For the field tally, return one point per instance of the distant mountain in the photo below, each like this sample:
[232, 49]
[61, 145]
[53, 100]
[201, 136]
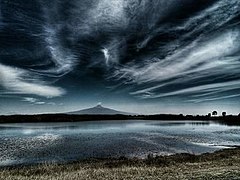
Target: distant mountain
[99, 109]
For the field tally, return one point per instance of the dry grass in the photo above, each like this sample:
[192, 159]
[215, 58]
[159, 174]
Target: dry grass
[220, 165]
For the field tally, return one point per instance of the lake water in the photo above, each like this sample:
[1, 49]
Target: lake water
[31, 143]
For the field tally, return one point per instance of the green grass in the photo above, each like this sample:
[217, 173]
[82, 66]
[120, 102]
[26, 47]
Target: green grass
[220, 165]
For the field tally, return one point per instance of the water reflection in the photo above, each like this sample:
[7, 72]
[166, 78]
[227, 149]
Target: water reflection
[33, 143]
[202, 123]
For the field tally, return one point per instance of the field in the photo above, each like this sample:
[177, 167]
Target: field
[224, 164]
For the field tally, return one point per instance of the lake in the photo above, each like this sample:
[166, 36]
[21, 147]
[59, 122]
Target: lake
[30, 143]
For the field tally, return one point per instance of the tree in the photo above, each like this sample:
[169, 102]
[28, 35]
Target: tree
[224, 114]
[214, 113]
[209, 114]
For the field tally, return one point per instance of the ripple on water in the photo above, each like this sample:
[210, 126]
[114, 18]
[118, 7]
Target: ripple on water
[13, 150]
[58, 144]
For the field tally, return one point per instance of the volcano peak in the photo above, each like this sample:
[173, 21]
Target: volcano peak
[99, 110]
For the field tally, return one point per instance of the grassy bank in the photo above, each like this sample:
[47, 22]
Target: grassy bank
[223, 164]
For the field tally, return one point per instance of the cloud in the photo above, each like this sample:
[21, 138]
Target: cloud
[210, 88]
[106, 55]
[203, 60]
[146, 45]
[29, 99]
[36, 101]
[213, 98]
[187, 60]
[198, 62]
[51, 103]
[62, 57]
[40, 103]
[19, 81]
[108, 14]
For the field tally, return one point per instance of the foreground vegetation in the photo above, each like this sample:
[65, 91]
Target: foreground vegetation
[223, 164]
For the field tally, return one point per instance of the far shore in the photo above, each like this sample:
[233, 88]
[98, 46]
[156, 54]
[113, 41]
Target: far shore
[223, 164]
[45, 118]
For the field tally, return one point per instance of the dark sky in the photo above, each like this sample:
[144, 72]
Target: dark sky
[144, 56]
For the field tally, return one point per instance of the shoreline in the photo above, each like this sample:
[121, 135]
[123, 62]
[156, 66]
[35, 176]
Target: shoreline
[223, 164]
[57, 118]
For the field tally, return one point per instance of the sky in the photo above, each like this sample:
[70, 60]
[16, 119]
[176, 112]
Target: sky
[142, 56]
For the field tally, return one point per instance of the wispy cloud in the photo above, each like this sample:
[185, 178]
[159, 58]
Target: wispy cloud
[20, 81]
[210, 89]
[213, 98]
[208, 64]
[62, 57]
[197, 57]
[40, 103]
[35, 101]
[51, 103]
[30, 99]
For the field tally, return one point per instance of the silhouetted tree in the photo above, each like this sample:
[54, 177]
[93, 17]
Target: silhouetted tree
[224, 114]
[209, 114]
[214, 113]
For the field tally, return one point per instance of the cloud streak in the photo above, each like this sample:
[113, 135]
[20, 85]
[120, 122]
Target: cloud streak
[29, 99]
[208, 63]
[210, 88]
[20, 81]
[146, 49]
